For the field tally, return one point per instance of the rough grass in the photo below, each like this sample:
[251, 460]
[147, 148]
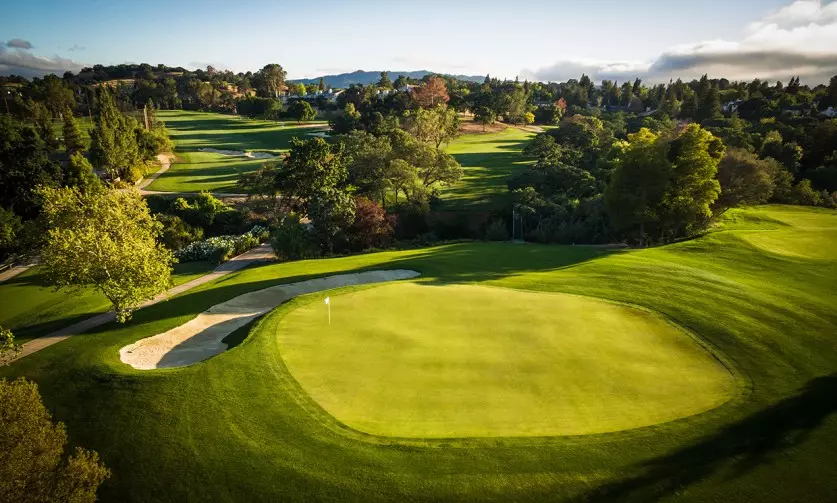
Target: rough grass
[32, 309]
[237, 427]
[488, 160]
[473, 361]
[191, 131]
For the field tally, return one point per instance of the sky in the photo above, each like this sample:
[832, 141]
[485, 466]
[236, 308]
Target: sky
[547, 40]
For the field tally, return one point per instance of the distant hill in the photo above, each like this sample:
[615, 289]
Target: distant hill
[344, 80]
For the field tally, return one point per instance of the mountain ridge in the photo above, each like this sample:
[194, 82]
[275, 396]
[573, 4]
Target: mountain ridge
[344, 80]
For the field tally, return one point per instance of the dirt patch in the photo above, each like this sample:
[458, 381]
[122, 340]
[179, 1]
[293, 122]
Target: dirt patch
[202, 337]
[471, 127]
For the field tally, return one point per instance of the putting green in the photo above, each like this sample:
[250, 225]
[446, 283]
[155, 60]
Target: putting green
[418, 361]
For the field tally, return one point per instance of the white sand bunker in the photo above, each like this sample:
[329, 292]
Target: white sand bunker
[239, 153]
[201, 338]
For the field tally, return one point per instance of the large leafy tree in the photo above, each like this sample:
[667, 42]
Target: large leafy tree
[34, 467]
[434, 126]
[301, 111]
[431, 93]
[312, 167]
[745, 179]
[271, 80]
[105, 240]
[638, 182]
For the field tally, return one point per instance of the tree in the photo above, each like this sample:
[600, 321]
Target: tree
[745, 179]
[431, 93]
[33, 464]
[321, 86]
[372, 227]
[297, 89]
[434, 126]
[312, 167]
[10, 226]
[107, 240]
[484, 116]
[529, 118]
[693, 184]
[7, 343]
[72, 134]
[349, 121]
[113, 144]
[637, 182]
[710, 105]
[384, 82]
[24, 165]
[367, 158]
[301, 110]
[271, 80]
[332, 211]
[79, 173]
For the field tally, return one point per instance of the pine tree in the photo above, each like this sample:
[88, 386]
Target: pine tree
[113, 145]
[710, 105]
[321, 86]
[79, 173]
[72, 134]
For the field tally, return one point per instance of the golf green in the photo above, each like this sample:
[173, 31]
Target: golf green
[420, 361]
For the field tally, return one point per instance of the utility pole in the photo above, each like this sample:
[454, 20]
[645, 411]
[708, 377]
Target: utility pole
[145, 114]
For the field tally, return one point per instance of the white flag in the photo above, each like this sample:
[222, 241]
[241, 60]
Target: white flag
[327, 300]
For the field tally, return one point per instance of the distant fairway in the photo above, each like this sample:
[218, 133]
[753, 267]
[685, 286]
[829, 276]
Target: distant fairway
[488, 160]
[191, 131]
[407, 360]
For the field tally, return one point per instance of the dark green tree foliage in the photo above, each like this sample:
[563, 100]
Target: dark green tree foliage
[484, 116]
[745, 179]
[79, 173]
[73, 140]
[113, 145]
[384, 82]
[312, 167]
[301, 111]
[34, 466]
[665, 185]
[24, 165]
[710, 105]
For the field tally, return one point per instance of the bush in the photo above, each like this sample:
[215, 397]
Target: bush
[201, 211]
[497, 231]
[177, 233]
[292, 240]
[372, 227]
[33, 464]
[222, 248]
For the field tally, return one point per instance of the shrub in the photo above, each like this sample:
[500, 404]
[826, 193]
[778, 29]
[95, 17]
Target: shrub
[496, 231]
[221, 248]
[372, 227]
[201, 211]
[177, 233]
[33, 464]
[292, 240]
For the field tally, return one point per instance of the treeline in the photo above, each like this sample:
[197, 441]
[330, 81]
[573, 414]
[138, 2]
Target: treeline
[47, 148]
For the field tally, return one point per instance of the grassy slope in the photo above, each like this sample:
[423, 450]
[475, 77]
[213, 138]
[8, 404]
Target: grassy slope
[472, 361]
[32, 309]
[235, 428]
[195, 171]
[487, 160]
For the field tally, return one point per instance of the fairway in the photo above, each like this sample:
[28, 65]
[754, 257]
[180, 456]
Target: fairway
[286, 414]
[488, 160]
[407, 360]
[194, 171]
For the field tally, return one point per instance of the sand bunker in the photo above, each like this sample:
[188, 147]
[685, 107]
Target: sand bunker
[201, 337]
[239, 153]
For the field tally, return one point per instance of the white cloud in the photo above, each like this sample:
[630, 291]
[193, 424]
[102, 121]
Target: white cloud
[799, 39]
[26, 64]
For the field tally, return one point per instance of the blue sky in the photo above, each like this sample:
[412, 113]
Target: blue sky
[536, 39]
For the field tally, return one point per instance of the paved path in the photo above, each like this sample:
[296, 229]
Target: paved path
[13, 271]
[259, 254]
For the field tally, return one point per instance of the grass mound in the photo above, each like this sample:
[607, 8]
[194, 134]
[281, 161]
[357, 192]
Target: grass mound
[408, 360]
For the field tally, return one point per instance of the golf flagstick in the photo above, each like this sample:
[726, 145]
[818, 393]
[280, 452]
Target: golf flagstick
[328, 303]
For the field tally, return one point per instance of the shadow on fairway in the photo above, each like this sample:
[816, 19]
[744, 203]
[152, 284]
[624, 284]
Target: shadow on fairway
[456, 263]
[737, 448]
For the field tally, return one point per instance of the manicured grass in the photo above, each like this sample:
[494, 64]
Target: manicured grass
[474, 361]
[238, 427]
[192, 131]
[32, 309]
[84, 124]
[488, 160]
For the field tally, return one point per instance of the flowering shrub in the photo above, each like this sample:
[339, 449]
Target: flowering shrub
[222, 248]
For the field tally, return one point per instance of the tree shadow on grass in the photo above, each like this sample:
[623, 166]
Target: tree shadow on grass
[737, 448]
